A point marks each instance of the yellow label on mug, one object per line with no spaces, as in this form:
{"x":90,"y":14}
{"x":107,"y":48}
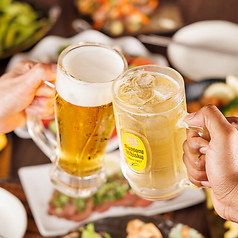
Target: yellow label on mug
{"x":135,"y":152}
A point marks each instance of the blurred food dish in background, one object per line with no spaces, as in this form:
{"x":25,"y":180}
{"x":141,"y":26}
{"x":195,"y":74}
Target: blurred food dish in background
{"x":5,"y":156}
{"x":3,"y":141}
{"x":219,"y":227}
{"x":223,"y":93}
{"x":116,"y":192}
{"x":135,"y":227}
{"x":118,"y":16}
{"x":131,"y":17}
{"x":22,"y":25}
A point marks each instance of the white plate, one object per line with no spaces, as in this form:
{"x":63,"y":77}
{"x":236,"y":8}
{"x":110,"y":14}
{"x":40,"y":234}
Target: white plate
{"x":47,"y":51}
{"x":13,"y":218}
{"x":199,"y":64}
{"x":38,"y":190}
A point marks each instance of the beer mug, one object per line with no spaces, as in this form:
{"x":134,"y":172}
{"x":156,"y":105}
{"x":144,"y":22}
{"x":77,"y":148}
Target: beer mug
{"x":150,"y":107}
{"x":84,"y":117}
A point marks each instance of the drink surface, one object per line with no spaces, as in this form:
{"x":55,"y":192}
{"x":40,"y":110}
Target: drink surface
{"x":86,"y":74}
{"x":147,"y":88}
{"x":153,"y":121}
{"x":93,"y":64}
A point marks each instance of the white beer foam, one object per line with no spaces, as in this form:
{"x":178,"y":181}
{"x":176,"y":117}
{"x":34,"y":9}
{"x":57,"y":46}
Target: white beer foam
{"x":94,"y":69}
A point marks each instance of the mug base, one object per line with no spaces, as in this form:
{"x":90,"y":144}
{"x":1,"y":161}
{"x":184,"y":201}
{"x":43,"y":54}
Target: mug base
{"x":155,"y":195}
{"x":77,"y":187}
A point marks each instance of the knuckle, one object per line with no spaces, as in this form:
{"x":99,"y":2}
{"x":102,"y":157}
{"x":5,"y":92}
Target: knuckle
{"x":25,"y":65}
{"x":210,"y":108}
{"x":40,"y":66}
{"x":199,"y":175}
{"x":200,"y":164}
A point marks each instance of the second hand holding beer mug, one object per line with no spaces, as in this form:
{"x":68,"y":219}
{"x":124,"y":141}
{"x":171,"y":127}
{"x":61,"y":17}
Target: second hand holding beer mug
{"x":150,"y":106}
{"x":84,"y":117}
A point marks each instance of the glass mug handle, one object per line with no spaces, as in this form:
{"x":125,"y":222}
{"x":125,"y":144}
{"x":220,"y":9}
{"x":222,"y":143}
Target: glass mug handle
{"x":44,"y":139}
{"x":201,"y":132}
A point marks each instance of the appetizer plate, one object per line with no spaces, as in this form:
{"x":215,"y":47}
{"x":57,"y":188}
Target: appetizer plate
{"x":117,"y":227}
{"x":47,"y":50}
{"x":13,"y":218}
{"x":198,"y":64}
{"x":38,"y":189}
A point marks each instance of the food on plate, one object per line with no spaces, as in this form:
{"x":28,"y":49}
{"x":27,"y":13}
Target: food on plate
{"x":137,"y":60}
{"x":222,"y":94}
{"x":3,"y":141}
{"x":231,"y":109}
{"x":232,"y":229}
{"x":222,"y":91}
{"x":115,"y":192}
{"x":139,"y":229}
{"x":118,"y":17}
{"x":232,"y":80}
{"x":184,"y":231}
{"x":137,"y":226}
{"x":87,"y":231}
{"x":19,"y":24}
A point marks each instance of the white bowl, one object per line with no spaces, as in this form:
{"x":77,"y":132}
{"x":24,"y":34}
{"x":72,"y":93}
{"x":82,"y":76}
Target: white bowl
{"x":200,"y":64}
{"x":13,"y":218}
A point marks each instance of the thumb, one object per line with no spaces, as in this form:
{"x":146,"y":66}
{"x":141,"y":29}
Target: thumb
{"x":212,"y":120}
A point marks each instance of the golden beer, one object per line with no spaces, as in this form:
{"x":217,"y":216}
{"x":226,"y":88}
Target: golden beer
{"x":84,"y":115}
{"x":84,"y":133}
{"x":149,"y":105}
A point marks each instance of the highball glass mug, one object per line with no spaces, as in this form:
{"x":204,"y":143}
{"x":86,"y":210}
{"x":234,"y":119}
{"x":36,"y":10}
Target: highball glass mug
{"x":149,"y":106}
{"x":84,"y":117}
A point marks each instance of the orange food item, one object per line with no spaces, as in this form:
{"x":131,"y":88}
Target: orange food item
{"x":139,"y":229}
{"x":118,"y":16}
{"x":198,"y":104}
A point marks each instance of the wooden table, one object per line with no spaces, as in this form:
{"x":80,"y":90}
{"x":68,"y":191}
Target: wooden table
{"x":26,"y":153}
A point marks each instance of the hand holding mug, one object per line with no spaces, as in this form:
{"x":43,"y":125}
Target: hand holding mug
{"x":212,"y":162}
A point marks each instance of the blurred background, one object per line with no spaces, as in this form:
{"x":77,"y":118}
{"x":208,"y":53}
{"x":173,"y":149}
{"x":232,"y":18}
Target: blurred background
{"x":24,"y":23}
{"x":165,"y":17}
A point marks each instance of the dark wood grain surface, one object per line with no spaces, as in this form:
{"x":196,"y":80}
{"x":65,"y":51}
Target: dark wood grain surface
{"x":26,"y":153}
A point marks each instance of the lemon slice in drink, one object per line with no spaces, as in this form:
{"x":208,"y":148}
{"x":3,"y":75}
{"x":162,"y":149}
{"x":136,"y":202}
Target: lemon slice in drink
{"x":220,"y":90}
{"x":3,"y":141}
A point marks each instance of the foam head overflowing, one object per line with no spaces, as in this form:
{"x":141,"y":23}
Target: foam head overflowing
{"x":86,"y":73}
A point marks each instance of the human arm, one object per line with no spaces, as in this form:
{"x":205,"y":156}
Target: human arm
{"x":22,"y":90}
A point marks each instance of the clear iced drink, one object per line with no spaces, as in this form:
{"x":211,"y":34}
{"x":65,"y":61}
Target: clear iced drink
{"x":149,"y":106}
